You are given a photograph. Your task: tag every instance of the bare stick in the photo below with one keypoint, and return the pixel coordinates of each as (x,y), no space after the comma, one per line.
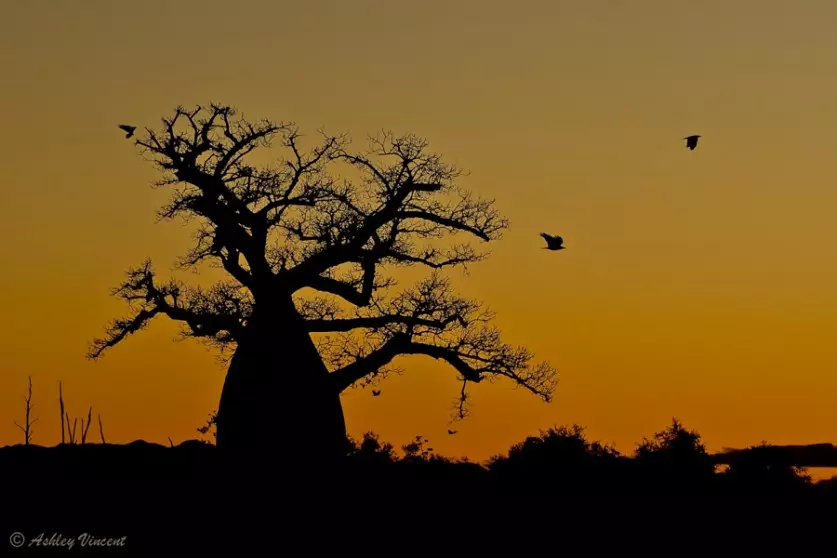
(27,429)
(72,432)
(85,426)
(61,402)
(101,431)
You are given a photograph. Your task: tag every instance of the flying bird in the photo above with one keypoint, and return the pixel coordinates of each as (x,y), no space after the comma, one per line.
(451,432)
(553,242)
(128,129)
(691,142)
(376,392)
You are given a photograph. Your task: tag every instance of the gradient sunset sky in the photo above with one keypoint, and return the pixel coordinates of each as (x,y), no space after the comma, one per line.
(701,285)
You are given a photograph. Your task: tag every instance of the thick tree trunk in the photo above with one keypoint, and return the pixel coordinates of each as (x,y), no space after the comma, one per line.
(277,400)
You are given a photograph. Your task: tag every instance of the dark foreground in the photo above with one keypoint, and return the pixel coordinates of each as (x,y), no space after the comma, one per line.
(556,492)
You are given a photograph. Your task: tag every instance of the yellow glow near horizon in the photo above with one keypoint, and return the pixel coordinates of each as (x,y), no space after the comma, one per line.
(695,284)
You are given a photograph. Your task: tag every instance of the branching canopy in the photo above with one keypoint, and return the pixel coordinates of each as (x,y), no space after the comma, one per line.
(279,230)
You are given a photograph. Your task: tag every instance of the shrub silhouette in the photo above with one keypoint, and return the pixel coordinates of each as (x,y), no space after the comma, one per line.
(559,449)
(675,452)
(766,467)
(371,451)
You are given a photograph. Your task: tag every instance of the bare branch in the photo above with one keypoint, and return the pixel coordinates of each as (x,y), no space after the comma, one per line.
(432,257)
(502,361)
(218,314)
(307,183)
(203,151)
(348,229)
(430,320)
(462,401)
(190,148)
(341,289)
(376,322)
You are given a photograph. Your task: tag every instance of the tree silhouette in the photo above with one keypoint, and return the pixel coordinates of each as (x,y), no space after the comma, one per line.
(295,228)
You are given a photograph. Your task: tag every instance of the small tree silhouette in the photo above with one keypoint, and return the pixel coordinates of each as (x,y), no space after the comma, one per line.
(308,253)
(417,450)
(28,422)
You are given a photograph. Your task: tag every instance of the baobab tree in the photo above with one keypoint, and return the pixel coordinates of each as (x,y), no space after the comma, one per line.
(308,309)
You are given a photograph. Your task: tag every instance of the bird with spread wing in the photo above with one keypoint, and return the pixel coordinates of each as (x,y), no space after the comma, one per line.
(553,242)
(129,130)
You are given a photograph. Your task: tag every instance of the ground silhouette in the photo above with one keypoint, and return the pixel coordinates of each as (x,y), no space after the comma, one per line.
(299,226)
(557,481)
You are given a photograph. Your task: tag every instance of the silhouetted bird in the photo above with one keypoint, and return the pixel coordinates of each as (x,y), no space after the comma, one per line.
(128,129)
(553,242)
(376,392)
(691,142)
(451,432)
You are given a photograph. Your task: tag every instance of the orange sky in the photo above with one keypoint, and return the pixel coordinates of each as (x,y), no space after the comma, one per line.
(697,284)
